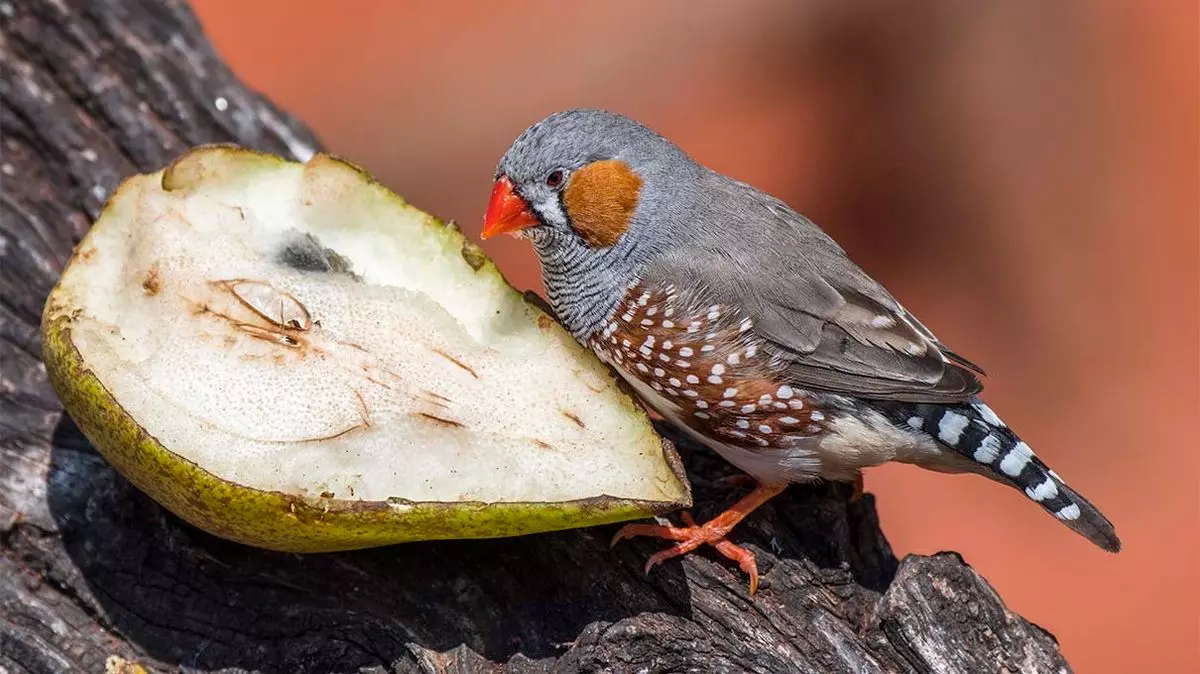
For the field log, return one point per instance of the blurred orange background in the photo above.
(1022, 175)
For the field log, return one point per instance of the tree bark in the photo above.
(93, 574)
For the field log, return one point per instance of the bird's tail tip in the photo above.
(1089, 522)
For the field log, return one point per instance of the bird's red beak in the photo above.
(507, 211)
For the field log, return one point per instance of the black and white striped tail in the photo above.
(975, 431)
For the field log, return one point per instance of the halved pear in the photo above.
(290, 356)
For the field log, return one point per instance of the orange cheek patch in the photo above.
(600, 199)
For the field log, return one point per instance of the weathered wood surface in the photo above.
(91, 571)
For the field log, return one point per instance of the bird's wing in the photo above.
(835, 328)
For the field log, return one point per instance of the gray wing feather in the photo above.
(835, 327)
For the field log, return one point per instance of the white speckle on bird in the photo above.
(729, 392)
(714, 312)
(99, 192)
(693, 379)
(733, 359)
(683, 363)
(651, 311)
(764, 398)
(685, 351)
(916, 423)
(667, 344)
(788, 420)
(742, 423)
(737, 434)
(764, 429)
(745, 325)
(1014, 462)
(1045, 490)
(674, 382)
(612, 327)
(714, 379)
(701, 415)
(643, 299)
(796, 404)
(669, 311)
(726, 403)
(816, 416)
(1070, 512)
(89, 155)
(694, 326)
(988, 449)
(988, 415)
(7, 169)
(785, 392)
(706, 348)
(627, 317)
(221, 104)
(664, 357)
(659, 372)
(701, 404)
(690, 393)
(882, 322)
(951, 426)
(718, 369)
(645, 350)
(642, 368)
(649, 340)
(647, 322)
(747, 409)
(656, 386)
(671, 391)
(668, 324)
(778, 405)
(751, 350)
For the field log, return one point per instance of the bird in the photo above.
(742, 323)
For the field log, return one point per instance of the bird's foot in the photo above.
(713, 533)
(689, 538)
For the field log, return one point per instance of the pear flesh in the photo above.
(290, 356)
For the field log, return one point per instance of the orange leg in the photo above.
(712, 532)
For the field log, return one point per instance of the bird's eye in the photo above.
(555, 179)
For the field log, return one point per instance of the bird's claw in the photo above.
(655, 530)
(689, 538)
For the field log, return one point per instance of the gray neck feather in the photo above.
(584, 284)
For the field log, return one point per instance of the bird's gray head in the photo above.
(589, 189)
